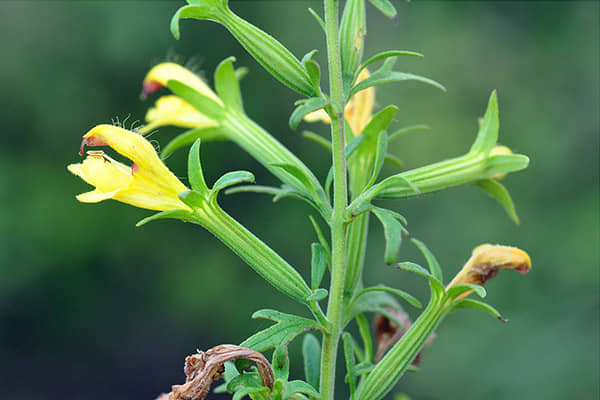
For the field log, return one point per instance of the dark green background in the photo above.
(93, 308)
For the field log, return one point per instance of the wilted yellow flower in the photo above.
(487, 260)
(358, 111)
(161, 74)
(173, 110)
(148, 183)
(496, 151)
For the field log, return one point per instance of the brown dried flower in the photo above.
(203, 368)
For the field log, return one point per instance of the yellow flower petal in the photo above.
(487, 260)
(173, 110)
(160, 75)
(148, 183)
(359, 109)
(319, 115)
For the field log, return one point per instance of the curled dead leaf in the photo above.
(202, 368)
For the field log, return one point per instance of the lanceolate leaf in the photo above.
(230, 179)
(308, 106)
(311, 352)
(176, 214)
(375, 301)
(195, 175)
(413, 301)
(200, 102)
(386, 75)
(281, 363)
(287, 327)
(298, 386)
(350, 362)
(434, 265)
(462, 288)
(506, 163)
(479, 305)
(318, 264)
(388, 54)
(382, 144)
(488, 128)
(435, 284)
(299, 175)
(386, 7)
(499, 192)
(392, 229)
(227, 86)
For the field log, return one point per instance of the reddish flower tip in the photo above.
(149, 87)
(91, 141)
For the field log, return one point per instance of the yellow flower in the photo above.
(496, 151)
(161, 74)
(148, 183)
(358, 111)
(487, 260)
(173, 110)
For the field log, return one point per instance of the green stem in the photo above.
(264, 260)
(340, 200)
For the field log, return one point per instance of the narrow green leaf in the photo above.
(192, 198)
(388, 54)
(392, 230)
(412, 300)
(298, 386)
(240, 73)
(376, 302)
(298, 174)
(195, 175)
(230, 179)
(311, 352)
(200, 102)
(318, 18)
(318, 265)
(227, 85)
(281, 363)
(506, 163)
(379, 122)
(436, 285)
(386, 7)
(488, 128)
(308, 106)
(434, 265)
(317, 295)
(478, 305)
(405, 130)
(382, 144)
(386, 75)
(199, 11)
(365, 333)
(353, 145)
(317, 139)
(189, 137)
(287, 327)
(462, 288)
(499, 192)
(313, 70)
(350, 362)
(175, 214)
(321, 238)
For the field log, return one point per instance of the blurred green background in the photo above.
(93, 308)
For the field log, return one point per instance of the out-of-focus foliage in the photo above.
(93, 308)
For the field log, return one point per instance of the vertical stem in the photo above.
(340, 200)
